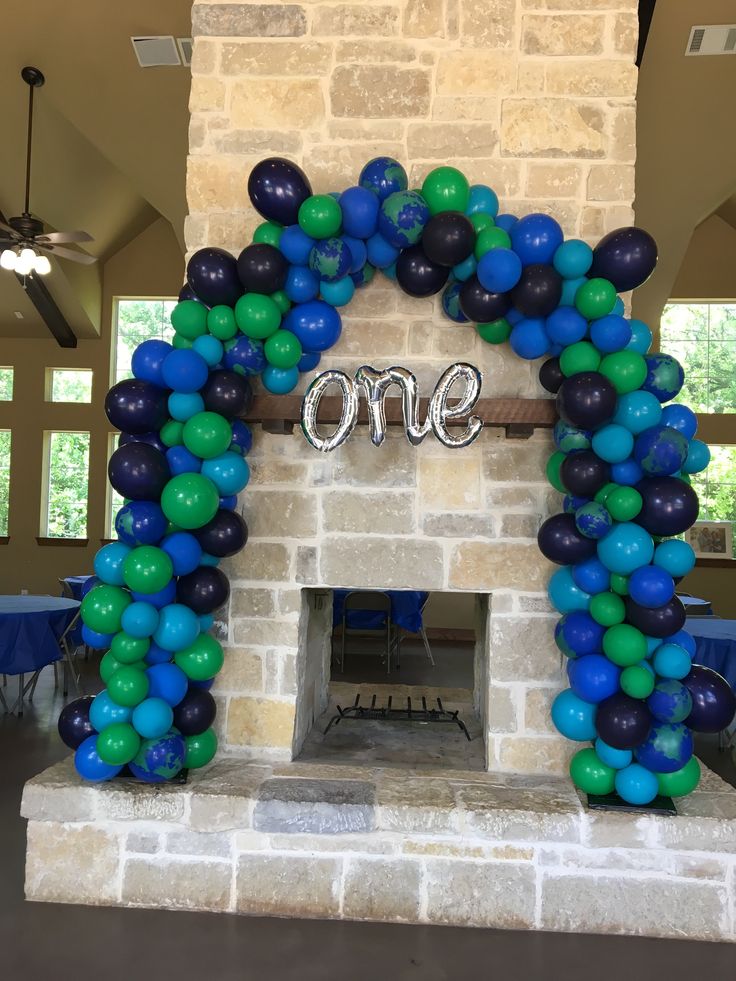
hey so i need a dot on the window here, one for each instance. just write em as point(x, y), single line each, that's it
point(5, 440)
point(716, 486)
point(66, 484)
point(6, 384)
point(137, 321)
point(702, 336)
point(114, 500)
point(68, 384)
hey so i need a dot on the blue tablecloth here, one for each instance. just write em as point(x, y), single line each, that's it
point(406, 610)
point(76, 583)
point(697, 606)
point(715, 645)
point(30, 628)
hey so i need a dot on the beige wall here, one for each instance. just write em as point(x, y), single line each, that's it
point(151, 265)
point(708, 271)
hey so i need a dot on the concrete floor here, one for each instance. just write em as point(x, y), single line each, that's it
point(42, 941)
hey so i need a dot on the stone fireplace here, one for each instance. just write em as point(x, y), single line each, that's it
point(537, 100)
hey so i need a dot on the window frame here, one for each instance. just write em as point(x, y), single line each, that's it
point(49, 385)
point(4, 535)
point(114, 325)
point(11, 369)
point(44, 537)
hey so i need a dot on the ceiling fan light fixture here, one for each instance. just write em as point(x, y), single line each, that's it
point(25, 263)
point(8, 259)
point(41, 265)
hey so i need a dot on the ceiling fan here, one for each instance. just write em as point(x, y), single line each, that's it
point(22, 238)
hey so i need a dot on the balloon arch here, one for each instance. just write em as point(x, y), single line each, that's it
point(623, 461)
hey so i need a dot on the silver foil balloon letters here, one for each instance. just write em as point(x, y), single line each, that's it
point(375, 384)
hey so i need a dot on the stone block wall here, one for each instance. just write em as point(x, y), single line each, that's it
point(535, 98)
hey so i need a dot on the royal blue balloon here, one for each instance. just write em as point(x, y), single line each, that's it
point(593, 678)
point(573, 717)
point(157, 655)
point(229, 472)
point(152, 718)
point(675, 557)
point(382, 176)
point(381, 253)
point(316, 324)
point(638, 411)
point(184, 405)
point(159, 599)
point(591, 576)
point(628, 472)
point(636, 785)
point(483, 200)
point(339, 293)
point(359, 206)
point(565, 325)
point(295, 245)
point(95, 640)
point(683, 639)
point(641, 337)
point(573, 258)
point(529, 339)
point(499, 270)
point(108, 563)
point(147, 360)
point(358, 251)
point(184, 370)
point(88, 764)
point(178, 627)
point(167, 681)
point(680, 417)
point(613, 443)
point(564, 594)
point(672, 661)
point(506, 222)
point(535, 238)
point(103, 711)
point(698, 457)
point(280, 381)
point(213, 275)
point(617, 758)
point(301, 284)
point(625, 548)
point(651, 586)
point(611, 333)
point(577, 634)
point(245, 356)
point(182, 460)
point(209, 348)
point(242, 436)
point(660, 451)
point(229, 502)
point(465, 269)
point(139, 619)
point(184, 551)
point(140, 523)
point(309, 361)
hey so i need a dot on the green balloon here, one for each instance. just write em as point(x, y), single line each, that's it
point(146, 569)
point(445, 189)
point(200, 749)
point(127, 650)
point(607, 609)
point(268, 233)
point(637, 681)
point(581, 356)
point(601, 496)
point(180, 342)
point(620, 584)
point(491, 238)
point(207, 434)
point(281, 300)
point(595, 298)
point(202, 659)
point(189, 319)
point(102, 608)
point(108, 666)
point(128, 686)
point(590, 774)
point(495, 332)
point(320, 216)
point(553, 471)
point(257, 315)
point(172, 433)
point(626, 370)
point(190, 500)
point(221, 323)
point(480, 221)
point(681, 782)
point(283, 349)
point(685, 478)
point(118, 743)
point(624, 645)
point(624, 503)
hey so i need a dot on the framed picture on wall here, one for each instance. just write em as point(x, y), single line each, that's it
point(711, 539)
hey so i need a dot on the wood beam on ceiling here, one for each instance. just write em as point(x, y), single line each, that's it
point(646, 12)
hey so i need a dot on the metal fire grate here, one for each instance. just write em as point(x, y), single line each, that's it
point(386, 713)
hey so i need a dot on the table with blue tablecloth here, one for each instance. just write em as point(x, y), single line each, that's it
point(76, 584)
point(406, 610)
point(715, 645)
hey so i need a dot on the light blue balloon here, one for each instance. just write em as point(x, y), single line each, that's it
point(569, 289)
point(564, 595)
point(103, 711)
point(280, 381)
point(178, 627)
point(206, 622)
point(625, 548)
point(184, 405)
point(613, 443)
point(210, 348)
point(672, 661)
point(638, 411)
point(208, 559)
point(641, 337)
point(108, 563)
point(573, 259)
point(338, 293)
point(229, 472)
point(573, 717)
point(698, 456)
point(636, 785)
point(152, 718)
point(483, 200)
point(465, 269)
point(675, 556)
point(617, 758)
point(140, 619)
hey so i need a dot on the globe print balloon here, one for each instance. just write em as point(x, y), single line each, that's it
point(660, 450)
point(245, 356)
point(402, 218)
point(330, 259)
point(384, 175)
point(670, 701)
point(569, 438)
point(451, 303)
point(159, 759)
point(667, 748)
point(593, 520)
point(665, 376)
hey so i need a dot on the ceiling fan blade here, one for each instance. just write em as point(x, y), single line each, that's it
point(9, 228)
point(60, 253)
point(62, 237)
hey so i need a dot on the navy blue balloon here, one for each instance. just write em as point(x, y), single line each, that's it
point(714, 702)
point(136, 406)
point(224, 535)
point(213, 275)
point(140, 523)
point(587, 399)
point(538, 291)
point(560, 541)
point(187, 293)
point(262, 268)
point(417, 275)
point(195, 713)
point(138, 471)
point(626, 257)
point(74, 725)
point(277, 188)
point(656, 621)
point(147, 359)
point(227, 393)
point(622, 721)
point(550, 375)
point(670, 506)
point(316, 324)
point(204, 590)
point(479, 304)
point(153, 439)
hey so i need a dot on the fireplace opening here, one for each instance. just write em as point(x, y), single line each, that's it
point(394, 678)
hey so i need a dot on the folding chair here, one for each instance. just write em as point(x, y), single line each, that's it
point(69, 669)
point(368, 602)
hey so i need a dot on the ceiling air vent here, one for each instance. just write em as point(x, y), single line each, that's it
point(185, 49)
point(712, 39)
point(152, 52)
